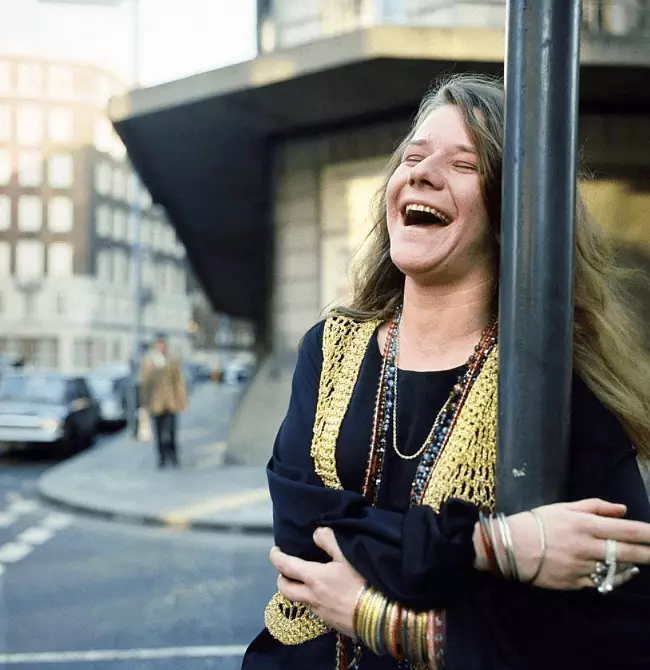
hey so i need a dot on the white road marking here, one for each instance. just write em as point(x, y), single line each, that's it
point(36, 535)
point(123, 655)
point(56, 521)
point(14, 551)
point(6, 519)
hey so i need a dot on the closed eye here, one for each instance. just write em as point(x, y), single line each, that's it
point(466, 166)
point(412, 158)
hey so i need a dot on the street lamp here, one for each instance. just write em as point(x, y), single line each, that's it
point(139, 300)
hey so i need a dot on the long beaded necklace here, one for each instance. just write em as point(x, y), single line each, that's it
point(385, 416)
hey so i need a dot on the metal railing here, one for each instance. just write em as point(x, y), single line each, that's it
point(289, 23)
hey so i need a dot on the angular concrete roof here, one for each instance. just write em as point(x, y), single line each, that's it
point(203, 145)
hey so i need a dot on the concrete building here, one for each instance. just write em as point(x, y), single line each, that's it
point(66, 235)
point(280, 155)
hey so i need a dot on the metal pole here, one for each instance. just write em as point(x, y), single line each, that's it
point(537, 251)
point(136, 220)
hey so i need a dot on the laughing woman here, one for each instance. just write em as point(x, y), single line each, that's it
point(390, 550)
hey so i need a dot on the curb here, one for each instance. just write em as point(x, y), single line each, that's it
point(201, 525)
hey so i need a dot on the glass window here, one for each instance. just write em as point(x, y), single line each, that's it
point(30, 168)
point(103, 135)
point(181, 280)
point(103, 220)
point(30, 213)
point(60, 303)
point(120, 263)
point(46, 353)
point(5, 77)
point(131, 228)
point(60, 214)
point(119, 184)
point(60, 256)
point(61, 171)
point(5, 212)
point(61, 125)
point(5, 122)
point(5, 258)
point(33, 389)
point(30, 80)
point(105, 266)
point(61, 82)
point(5, 166)
point(83, 352)
point(119, 224)
point(145, 232)
point(29, 259)
point(131, 188)
point(30, 120)
point(103, 177)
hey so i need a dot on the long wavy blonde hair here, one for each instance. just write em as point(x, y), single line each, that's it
point(608, 350)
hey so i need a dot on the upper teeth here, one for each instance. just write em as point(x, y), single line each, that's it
point(429, 210)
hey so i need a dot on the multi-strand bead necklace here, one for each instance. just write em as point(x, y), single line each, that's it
point(385, 419)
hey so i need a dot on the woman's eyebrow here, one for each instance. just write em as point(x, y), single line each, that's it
point(454, 148)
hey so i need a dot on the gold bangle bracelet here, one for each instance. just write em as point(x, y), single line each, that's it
point(363, 614)
point(357, 606)
point(424, 619)
point(371, 621)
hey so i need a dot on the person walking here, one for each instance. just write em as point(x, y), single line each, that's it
point(163, 395)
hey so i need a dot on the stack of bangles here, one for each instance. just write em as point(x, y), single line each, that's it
point(388, 627)
point(499, 548)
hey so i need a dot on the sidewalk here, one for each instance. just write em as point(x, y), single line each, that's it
point(118, 478)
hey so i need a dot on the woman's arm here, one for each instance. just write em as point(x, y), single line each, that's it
point(420, 558)
point(417, 556)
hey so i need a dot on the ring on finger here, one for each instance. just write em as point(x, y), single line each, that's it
point(599, 573)
point(611, 554)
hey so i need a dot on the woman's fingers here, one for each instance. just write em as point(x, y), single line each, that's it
point(291, 566)
point(598, 506)
point(326, 540)
point(294, 591)
point(621, 530)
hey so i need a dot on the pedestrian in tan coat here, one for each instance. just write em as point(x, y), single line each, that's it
point(164, 395)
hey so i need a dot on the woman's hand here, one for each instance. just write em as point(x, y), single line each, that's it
point(330, 589)
point(576, 535)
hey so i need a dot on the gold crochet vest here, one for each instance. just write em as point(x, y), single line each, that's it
point(465, 468)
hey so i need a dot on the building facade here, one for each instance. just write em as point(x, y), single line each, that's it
point(66, 224)
point(281, 155)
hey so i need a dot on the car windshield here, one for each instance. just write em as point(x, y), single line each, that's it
point(24, 388)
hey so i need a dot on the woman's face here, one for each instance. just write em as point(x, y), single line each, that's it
point(437, 221)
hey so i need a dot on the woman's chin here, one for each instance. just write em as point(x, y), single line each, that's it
point(413, 265)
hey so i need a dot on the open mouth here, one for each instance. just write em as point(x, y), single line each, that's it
point(422, 215)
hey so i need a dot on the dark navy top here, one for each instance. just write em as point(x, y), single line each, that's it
point(424, 559)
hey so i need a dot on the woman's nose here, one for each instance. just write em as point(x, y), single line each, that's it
point(426, 175)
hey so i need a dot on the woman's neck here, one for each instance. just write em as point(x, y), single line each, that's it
point(441, 325)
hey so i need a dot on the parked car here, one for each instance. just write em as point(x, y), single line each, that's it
point(111, 392)
point(50, 409)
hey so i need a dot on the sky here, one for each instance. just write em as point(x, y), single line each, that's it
point(177, 37)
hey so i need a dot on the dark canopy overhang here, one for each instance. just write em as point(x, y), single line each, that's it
point(203, 145)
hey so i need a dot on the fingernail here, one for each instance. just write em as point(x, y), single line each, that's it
point(634, 570)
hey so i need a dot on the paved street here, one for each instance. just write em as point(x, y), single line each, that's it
point(78, 592)
point(149, 598)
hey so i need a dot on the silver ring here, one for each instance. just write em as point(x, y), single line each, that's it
point(599, 573)
point(611, 551)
